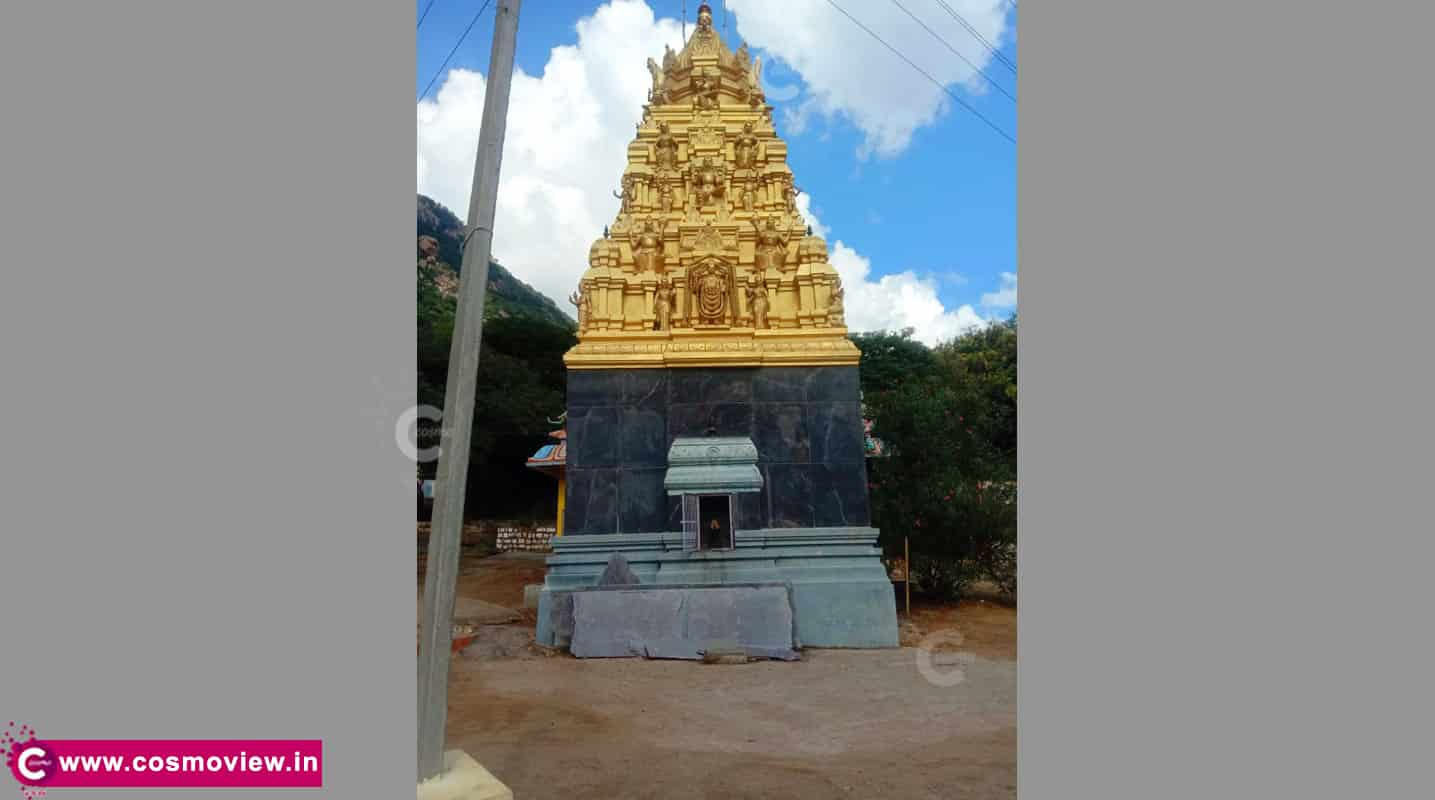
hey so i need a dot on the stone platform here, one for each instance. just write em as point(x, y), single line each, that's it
point(682, 622)
point(840, 593)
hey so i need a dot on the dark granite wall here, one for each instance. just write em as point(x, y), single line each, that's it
point(805, 421)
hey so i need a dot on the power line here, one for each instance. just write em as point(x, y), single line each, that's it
point(973, 31)
point(455, 48)
point(977, 69)
point(928, 75)
point(424, 15)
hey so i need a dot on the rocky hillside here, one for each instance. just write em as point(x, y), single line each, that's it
point(507, 296)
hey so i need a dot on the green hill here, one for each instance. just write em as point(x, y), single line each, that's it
point(521, 379)
point(507, 296)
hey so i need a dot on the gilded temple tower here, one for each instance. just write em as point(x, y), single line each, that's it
point(709, 205)
point(715, 433)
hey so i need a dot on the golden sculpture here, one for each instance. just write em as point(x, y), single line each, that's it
point(647, 244)
point(835, 312)
point(708, 264)
point(771, 245)
point(745, 149)
point(664, 303)
point(629, 194)
point(706, 179)
point(706, 91)
point(579, 300)
point(665, 148)
point(665, 197)
point(757, 301)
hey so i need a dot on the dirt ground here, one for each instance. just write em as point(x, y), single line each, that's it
point(838, 723)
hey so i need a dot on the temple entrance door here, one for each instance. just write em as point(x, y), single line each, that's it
point(715, 521)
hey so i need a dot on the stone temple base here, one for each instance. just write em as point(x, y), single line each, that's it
point(840, 592)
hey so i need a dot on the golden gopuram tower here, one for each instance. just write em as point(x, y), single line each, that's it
point(709, 262)
point(714, 450)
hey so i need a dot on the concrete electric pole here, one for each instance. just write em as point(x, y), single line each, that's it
point(446, 538)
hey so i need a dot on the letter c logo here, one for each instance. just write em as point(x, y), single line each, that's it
point(22, 763)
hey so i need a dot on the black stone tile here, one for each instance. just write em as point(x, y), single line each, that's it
point(839, 495)
point(675, 514)
point(644, 438)
point(781, 384)
point(790, 491)
point(836, 431)
point(593, 436)
point(710, 385)
point(751, 511)
point(645, 388)
point(644, 506)
point(592, 502)
point(724, 419)
point(834, 384)
point(780, 432)
point(594, 387)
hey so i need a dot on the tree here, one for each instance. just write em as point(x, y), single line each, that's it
point(948, 484)
point(985, 360)
point(521, 384)
point(890, 359)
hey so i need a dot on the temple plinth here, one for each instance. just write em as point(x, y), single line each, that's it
point(715, 434)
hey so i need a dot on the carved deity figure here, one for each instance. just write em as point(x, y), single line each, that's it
point(665, 149)
point(580, 301)
point(664, 303)
point(707, 182)
point(629, 194)
point(705, 91)
point(712, 297)
point(657, 94)
point(647, 243)
point(745, 150)
point(747, 197)
point(790, 193)
point(835, 312)
point(757, 301)
point(665, 197)
point(771, 245)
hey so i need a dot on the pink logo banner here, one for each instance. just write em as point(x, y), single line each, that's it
point(167, 763)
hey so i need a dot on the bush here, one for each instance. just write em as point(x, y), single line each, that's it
point(942, 579)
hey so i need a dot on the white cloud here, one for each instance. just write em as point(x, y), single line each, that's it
point(1005, 297)
point(566, 147)
point(891, 302)
point(851, 75)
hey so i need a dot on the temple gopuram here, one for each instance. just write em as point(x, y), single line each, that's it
point(715, 479)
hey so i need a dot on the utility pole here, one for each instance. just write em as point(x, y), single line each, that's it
point(446, 536)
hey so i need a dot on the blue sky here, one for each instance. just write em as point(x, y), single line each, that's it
point(910, 183)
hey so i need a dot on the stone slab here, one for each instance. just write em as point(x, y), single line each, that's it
point(463, 778)
point(620, 623)
point(841, 594)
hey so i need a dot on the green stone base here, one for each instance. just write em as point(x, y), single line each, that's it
point(841, 594)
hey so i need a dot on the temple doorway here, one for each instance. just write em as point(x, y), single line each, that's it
point(715, 520)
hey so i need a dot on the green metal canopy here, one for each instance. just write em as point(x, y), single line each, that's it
point(712, 465)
